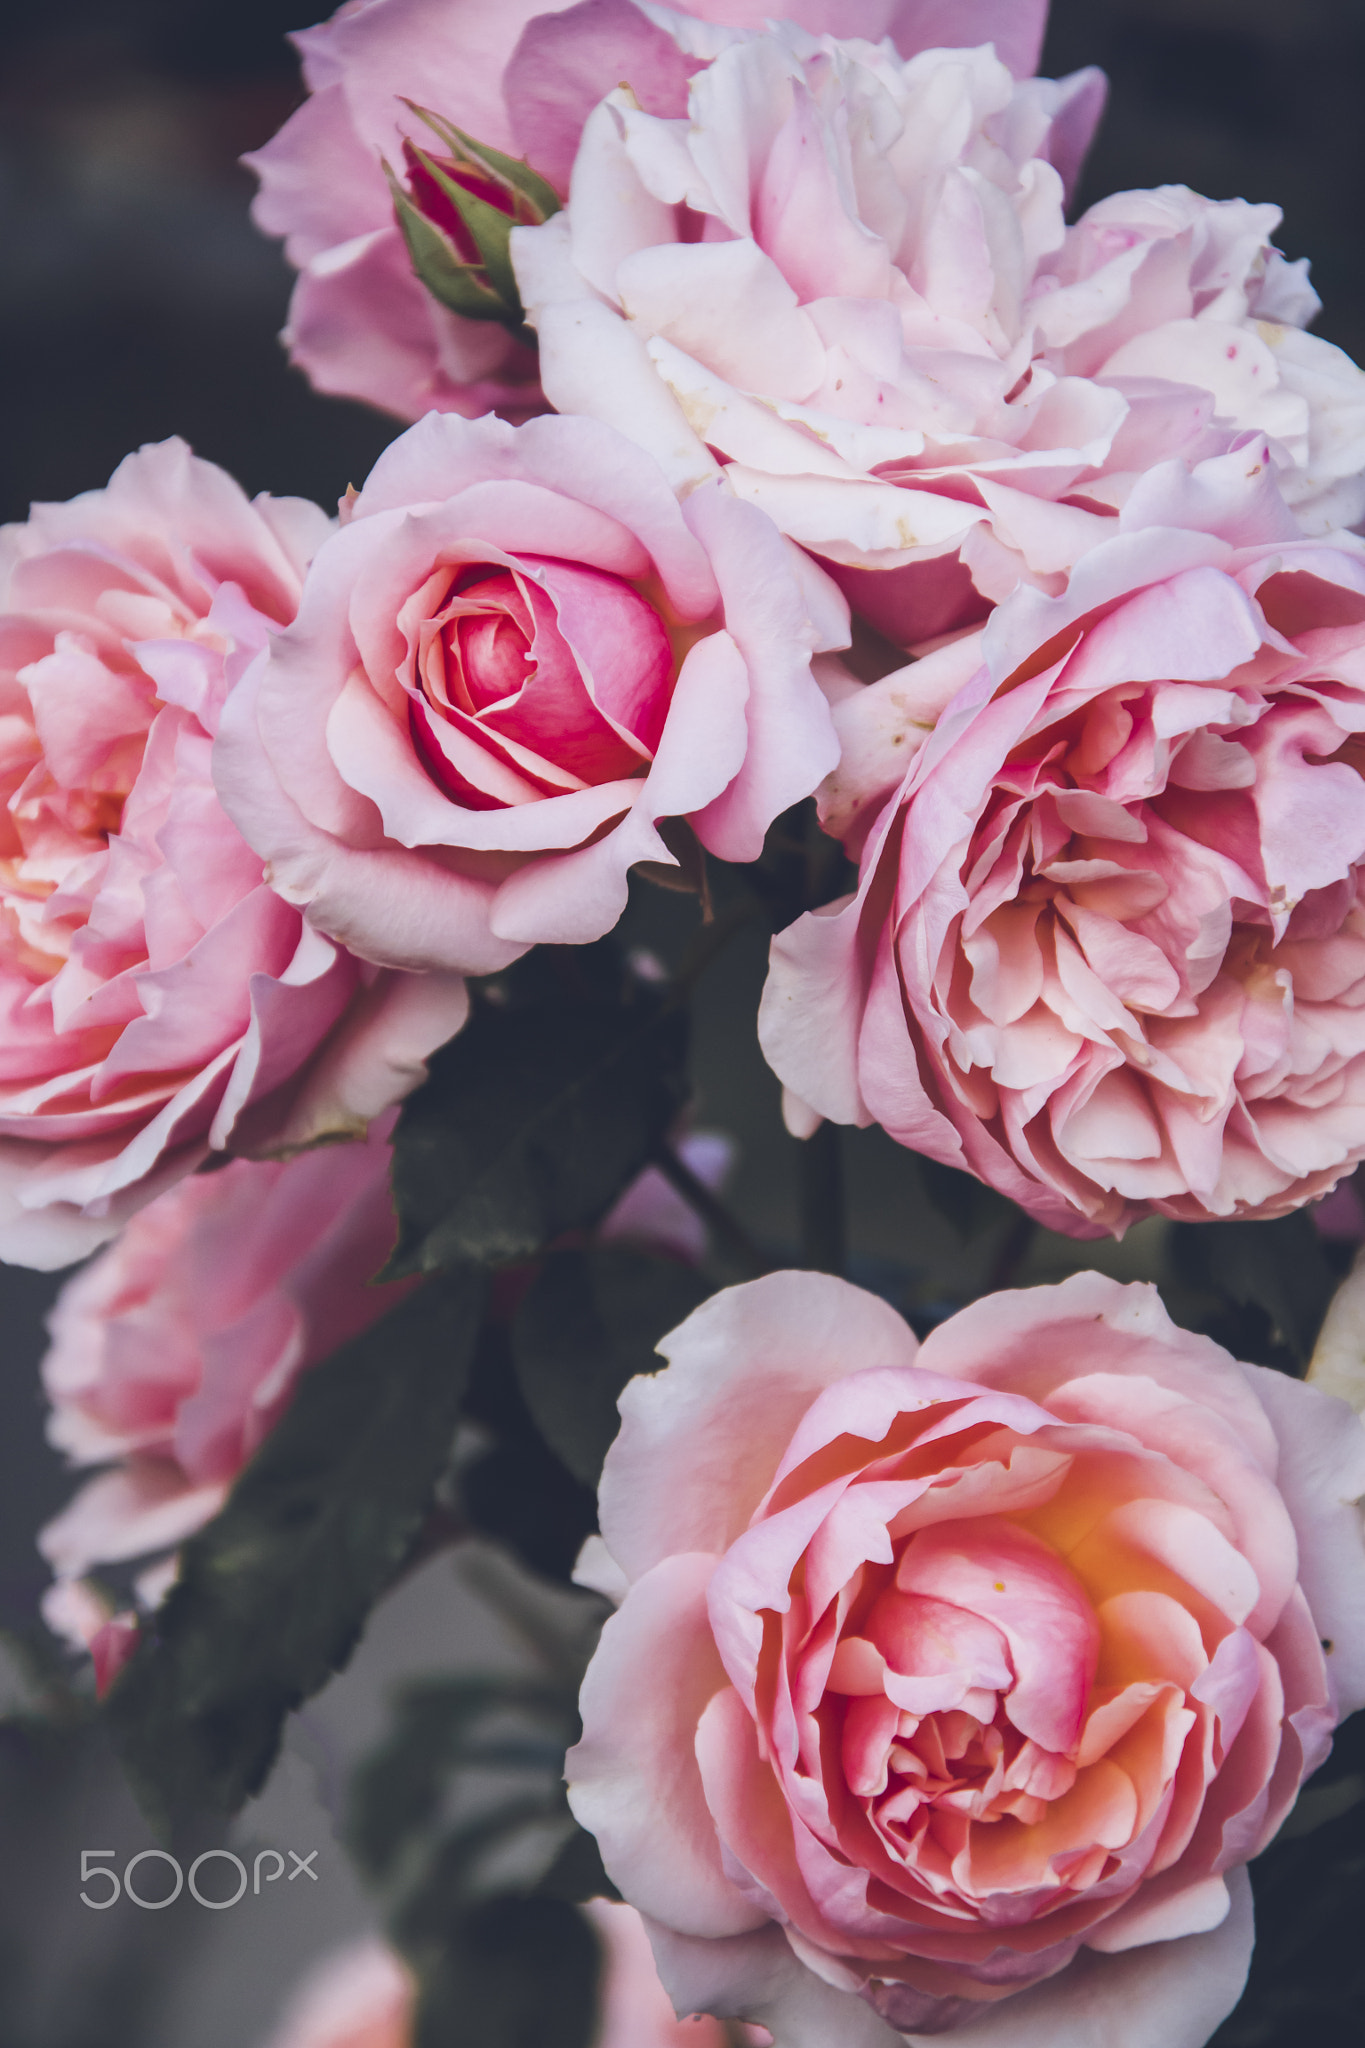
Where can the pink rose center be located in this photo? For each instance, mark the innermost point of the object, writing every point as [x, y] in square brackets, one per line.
[961, 1685]
[533, 681]
[1180, 876]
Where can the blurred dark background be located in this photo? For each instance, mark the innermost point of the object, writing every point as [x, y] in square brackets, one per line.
[137, 301]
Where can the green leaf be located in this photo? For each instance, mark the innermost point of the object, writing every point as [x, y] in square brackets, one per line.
[1307, 1982]
[515, 1972]
[273, 1593]
[438, 265]
[969, 1205]
[531, 1124]
[518, 1491]
[577, 1871]
[1278, 1268]
[439, 1727]
[589, 1323]
[542, 199]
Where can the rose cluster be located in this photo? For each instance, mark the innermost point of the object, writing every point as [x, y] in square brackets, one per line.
[776, 437]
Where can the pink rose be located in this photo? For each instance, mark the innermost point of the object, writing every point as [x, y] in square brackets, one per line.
[520, 77]
[955, 1683]
[1108, 946]
[160, 1001]
[358, 1997]
[517, 656]
[849, 279]
[177, 1349]
[652, 1216]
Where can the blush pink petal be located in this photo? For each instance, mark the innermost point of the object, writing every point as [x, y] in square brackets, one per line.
[1321, 1474]
[178, 1348]
[126, 1513]
[758, 1977]
[566, 62]
[699, 1442]
[633, 1778]
[1170, 1995]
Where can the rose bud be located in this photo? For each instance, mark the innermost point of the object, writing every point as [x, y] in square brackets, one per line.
[524, 78]
[457, 214]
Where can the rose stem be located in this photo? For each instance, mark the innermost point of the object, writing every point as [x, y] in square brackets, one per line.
[732, 1239]
[822, 1200]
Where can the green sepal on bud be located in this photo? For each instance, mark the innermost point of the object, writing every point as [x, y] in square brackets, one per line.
[457, 213]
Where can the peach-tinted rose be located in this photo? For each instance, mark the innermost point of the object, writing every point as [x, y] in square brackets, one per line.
[955, 1683]
[515, 658]
[159, 1001]
[520, 77]
[849, 279]
[175, 1350]
[1108, 945]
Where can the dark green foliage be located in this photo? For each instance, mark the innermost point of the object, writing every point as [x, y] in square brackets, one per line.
[535, 1119]
[518, 1490]
[589, 1323]
[1307, 1982]
[443, 1726]
[969, 1205]
[273, 1594]
[1260, 1289]
[513, 1972]
[480, 1890]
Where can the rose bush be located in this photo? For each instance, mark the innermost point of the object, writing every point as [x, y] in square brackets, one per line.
[850, 280]
[160, 1001]
[177, 1348]
[1108, 947]
[522, 78]
[956, 1682]
[518, 655]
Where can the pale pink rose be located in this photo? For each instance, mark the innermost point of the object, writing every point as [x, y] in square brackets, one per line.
[177, 1348]
[652, 1216]
[160, 1002]
[520, 77]
[849, 280]
[954, 1684]
[515, 658]
[359, 1997]
[1108, 946]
